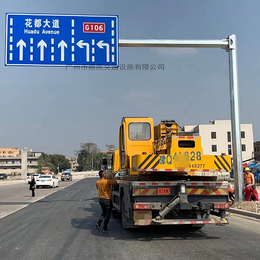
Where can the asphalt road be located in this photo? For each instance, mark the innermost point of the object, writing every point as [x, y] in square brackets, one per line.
[62, 226]
[15, 195]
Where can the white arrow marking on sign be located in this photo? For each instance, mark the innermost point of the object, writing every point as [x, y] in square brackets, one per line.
[42, 44]
[62, 45]
[21, 44]
[81, 44]
[100, 44]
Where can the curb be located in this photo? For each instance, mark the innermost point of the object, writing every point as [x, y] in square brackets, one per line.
[244, 213]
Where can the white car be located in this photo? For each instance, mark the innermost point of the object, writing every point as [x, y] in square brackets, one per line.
[47, 180]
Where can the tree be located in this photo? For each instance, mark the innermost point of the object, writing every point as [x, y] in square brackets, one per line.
[110, 147]
[89, 157]
[60, 162]
[83, 164]
[45, 161]
[53, 161]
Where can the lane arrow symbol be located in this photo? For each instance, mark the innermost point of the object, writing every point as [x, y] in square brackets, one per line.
[101, 45]
[81, 44]
[42, 44]
[21, 44]
[62, 45]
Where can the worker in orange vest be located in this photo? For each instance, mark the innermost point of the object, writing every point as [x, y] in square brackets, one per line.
[249, 181]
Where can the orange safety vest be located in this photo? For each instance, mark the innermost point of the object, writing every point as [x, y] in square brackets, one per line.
[248, 178]
[231, 190]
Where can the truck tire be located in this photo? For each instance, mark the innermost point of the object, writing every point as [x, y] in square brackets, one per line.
[222, 213]
[124, 218]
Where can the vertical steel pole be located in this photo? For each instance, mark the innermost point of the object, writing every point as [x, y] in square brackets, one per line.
[235, 121]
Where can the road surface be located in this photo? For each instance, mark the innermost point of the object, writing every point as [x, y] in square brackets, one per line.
[62, 226]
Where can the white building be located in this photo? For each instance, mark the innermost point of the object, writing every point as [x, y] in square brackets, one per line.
[216, 138]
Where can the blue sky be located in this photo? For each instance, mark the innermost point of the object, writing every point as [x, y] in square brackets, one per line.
[55, 109]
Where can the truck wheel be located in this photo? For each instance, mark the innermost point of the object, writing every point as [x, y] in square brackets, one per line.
[222, 213]
[124, 218]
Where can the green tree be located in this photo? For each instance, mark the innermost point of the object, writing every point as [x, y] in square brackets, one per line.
[45, 161]
[60, 162]
[83, 164]
[53, 161]
[89, 157]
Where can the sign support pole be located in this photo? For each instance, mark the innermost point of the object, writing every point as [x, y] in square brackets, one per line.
[236, 133]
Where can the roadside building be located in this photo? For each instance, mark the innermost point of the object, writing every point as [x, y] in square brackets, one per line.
[257, 150]
[9, 152]
[216, 138]
[73, 163]
[19, 161]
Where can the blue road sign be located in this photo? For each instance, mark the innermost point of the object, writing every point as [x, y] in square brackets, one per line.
[61, 40]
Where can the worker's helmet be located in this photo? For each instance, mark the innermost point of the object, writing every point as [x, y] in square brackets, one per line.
[247, 169]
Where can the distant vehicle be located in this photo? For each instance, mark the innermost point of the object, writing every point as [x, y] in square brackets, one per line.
[45, 170]
[3, 176]
[66, 176]
[47, 181]
[29, 176]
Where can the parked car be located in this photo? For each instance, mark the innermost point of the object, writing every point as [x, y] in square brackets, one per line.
[3, 176]
[47, 181]
[29, 176]
[66, 176]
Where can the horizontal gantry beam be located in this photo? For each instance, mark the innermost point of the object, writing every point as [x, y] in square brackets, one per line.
[224, 44]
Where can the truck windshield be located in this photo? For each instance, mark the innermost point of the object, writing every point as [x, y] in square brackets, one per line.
[139, 131]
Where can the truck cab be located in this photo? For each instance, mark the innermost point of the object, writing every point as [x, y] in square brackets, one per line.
[136, 137]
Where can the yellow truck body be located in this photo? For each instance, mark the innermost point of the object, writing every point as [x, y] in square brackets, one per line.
[140, 153]
[165, 179]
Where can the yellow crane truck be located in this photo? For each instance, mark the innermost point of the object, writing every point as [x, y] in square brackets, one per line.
[165, 179]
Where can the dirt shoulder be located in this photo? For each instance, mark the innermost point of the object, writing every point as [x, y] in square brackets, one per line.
[252, 206]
